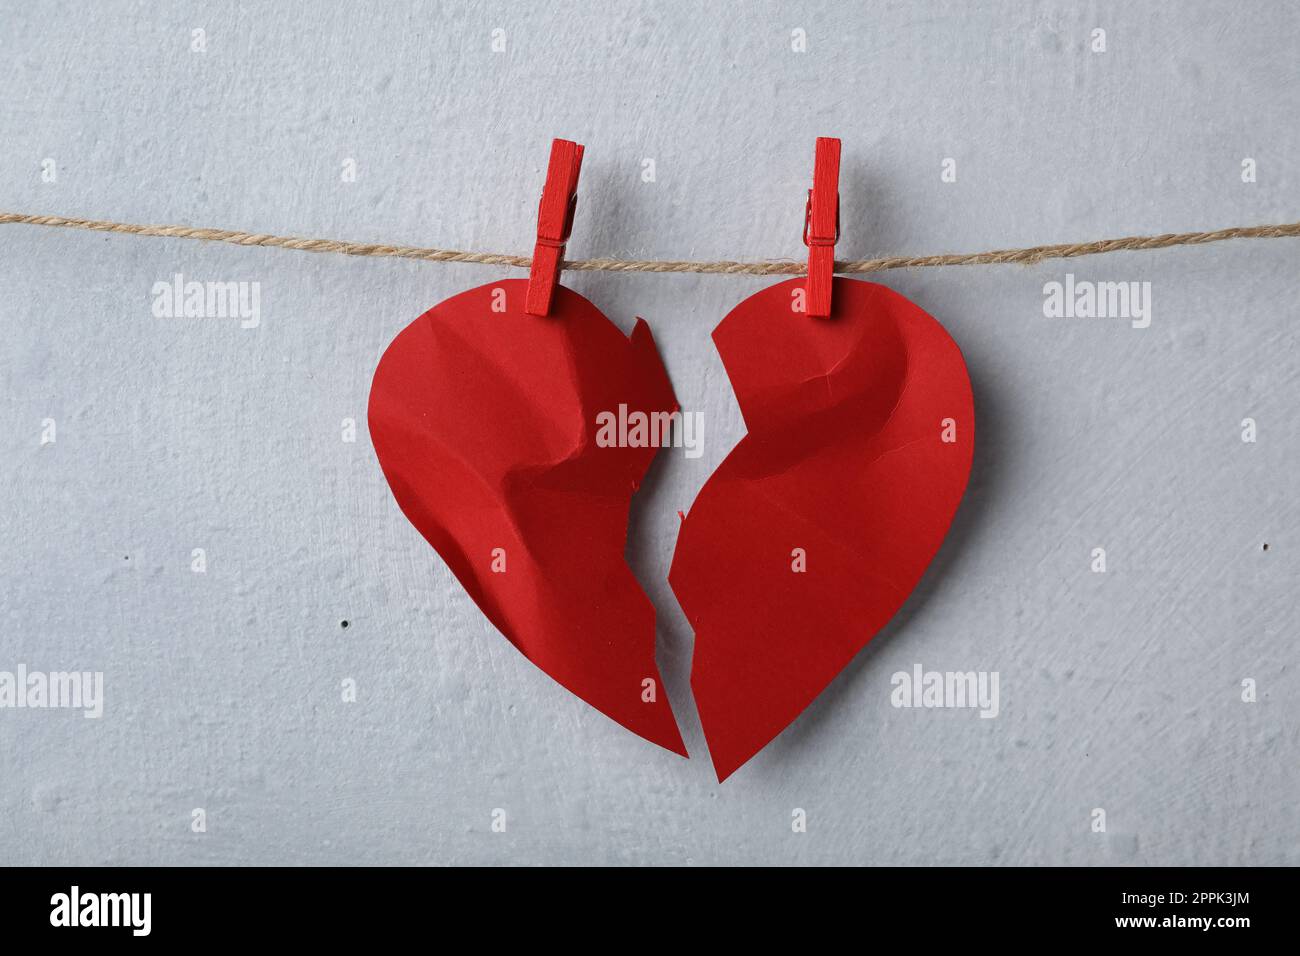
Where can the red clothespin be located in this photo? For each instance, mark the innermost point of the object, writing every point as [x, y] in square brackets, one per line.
[821, 225]
[554, 223]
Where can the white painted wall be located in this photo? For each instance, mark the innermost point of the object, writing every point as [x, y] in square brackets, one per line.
[1119, 691]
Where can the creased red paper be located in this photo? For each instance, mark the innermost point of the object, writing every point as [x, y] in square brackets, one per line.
[846, 460]
[484, 422]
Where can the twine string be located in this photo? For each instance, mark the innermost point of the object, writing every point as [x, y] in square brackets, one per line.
[1026, 256]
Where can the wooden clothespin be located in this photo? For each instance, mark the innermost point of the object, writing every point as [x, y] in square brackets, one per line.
[821, 227]
[554, 223]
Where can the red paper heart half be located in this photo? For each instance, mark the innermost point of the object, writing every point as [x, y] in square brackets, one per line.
[484, 419]
[817, 526]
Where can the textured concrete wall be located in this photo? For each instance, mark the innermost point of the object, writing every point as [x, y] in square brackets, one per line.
[1121, 691]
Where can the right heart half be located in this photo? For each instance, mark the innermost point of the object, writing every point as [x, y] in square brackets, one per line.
[817, 526]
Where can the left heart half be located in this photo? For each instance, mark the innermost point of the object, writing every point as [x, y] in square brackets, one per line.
[484, 420]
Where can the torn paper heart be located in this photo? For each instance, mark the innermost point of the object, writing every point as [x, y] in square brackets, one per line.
[484, 421]
[820, 522]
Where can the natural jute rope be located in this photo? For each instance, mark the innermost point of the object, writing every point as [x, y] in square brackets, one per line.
[998, 257]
